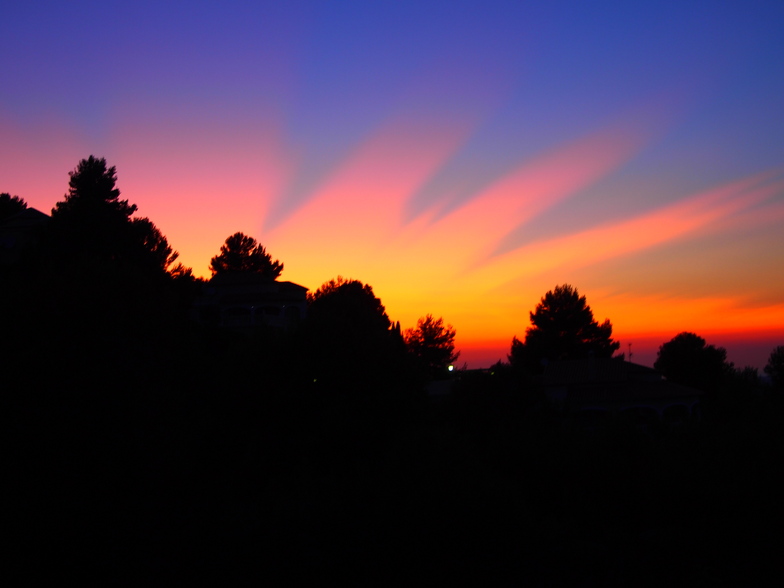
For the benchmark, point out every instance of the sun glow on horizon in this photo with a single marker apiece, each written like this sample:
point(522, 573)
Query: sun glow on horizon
point(461, 160)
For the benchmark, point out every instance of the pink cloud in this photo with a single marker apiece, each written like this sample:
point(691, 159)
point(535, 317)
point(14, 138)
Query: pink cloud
point(691, 216)
point(361, 201)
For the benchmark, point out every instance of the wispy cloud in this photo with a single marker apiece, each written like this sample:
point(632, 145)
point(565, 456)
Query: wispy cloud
point(487, 223)
point(356, 210)
point(687, 217)
point(674, 312)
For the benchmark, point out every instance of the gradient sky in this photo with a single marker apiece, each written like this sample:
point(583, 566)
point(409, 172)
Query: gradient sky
point(463, 158)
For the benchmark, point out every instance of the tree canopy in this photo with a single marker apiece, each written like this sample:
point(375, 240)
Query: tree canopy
point(91, 225)
point(350, 339)
point(154, 246)
point(686, 359)
point(562, 327)
point(10, 205)
point(241, 253)
point(349, 304)
point(92, 190)
point(432, 342)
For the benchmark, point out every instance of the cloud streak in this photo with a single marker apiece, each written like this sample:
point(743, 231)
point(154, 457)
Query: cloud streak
point(688, 217)
point(356, 211)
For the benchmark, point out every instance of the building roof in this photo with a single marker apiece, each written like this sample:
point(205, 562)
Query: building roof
point(611, 382)
point(248, 288)
point(596, 370)
point(24, 219)
point(19, 232)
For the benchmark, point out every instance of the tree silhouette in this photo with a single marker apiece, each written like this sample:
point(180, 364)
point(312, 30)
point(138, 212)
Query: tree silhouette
point(687, 360)
point(562, 327)
point(349, 334)
point(92, 226)
point(155, 247)
point(775, 366)
point(10, 205)
point(432, 342)
point(92, 189)
point(241, 253)
point(92, 230)
point(350, 305)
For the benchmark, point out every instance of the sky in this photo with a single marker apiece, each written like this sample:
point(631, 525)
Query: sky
point(462, 158)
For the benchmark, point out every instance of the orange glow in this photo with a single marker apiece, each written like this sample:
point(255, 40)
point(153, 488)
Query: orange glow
point(675, 221)
point(641, 314)
point(225, 180)
point(353, 215)
point(425, 263)
point(524, 193)
point(219, 183)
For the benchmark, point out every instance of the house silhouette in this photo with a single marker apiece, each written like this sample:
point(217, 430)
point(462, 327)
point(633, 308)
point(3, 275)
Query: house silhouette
point(21, 232)
point(246, 300)
point(595, 388)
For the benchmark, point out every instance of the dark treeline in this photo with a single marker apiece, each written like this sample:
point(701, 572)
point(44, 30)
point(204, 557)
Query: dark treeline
point(147, 444)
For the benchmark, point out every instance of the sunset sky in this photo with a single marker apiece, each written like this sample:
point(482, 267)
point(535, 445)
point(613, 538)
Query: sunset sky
point(463, 158)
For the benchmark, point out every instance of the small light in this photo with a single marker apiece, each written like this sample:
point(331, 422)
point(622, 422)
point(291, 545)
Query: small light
point(451, 368)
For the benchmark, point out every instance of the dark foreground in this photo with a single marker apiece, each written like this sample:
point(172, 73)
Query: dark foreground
point(214, 477)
